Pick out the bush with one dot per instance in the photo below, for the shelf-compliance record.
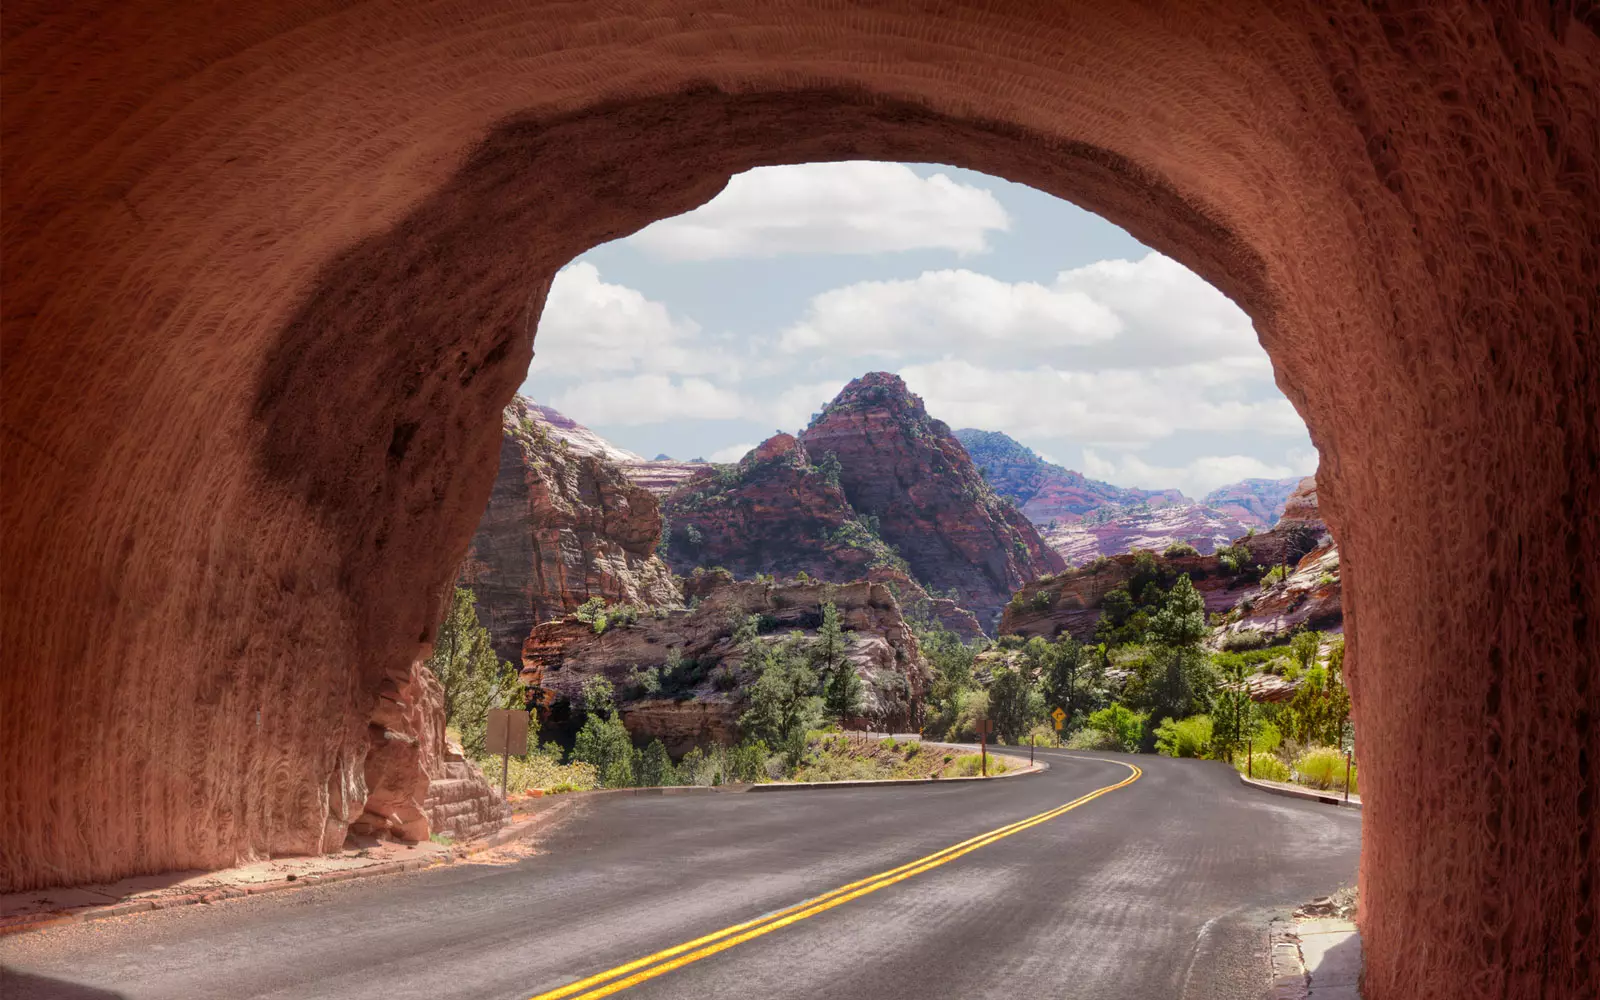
(1323, 767)
(541, 770)
(1093, 739)
(968, 765)
(1180, 550)
(1264, 766)
(1189, 737)
(1042, 600)
(1274, 575)
(1243, 640)
(1121, 723)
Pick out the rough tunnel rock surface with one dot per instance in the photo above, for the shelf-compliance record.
(272, 270)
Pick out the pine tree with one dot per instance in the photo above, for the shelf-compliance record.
(473, 677)
(841, 696)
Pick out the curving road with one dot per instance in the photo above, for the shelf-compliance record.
(1161, 887)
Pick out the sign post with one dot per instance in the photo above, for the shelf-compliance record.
(507, 736)
(984, 728)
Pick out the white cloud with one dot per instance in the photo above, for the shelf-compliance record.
(940, 311)
(1195, 478)
(855, 207)
(591, 327)
(1120, 407)
(648, 399)
(1114, 313)
(732, 453)
(794, 406)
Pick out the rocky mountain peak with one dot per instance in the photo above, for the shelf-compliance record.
(905, 469)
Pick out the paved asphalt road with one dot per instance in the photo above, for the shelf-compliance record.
(1161, 888)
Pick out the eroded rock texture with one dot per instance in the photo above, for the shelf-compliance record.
(563, 525)
(906, 470)
(698, 690)
(272, 271)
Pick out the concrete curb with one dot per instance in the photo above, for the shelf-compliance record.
(457, 852)
(1309, 794)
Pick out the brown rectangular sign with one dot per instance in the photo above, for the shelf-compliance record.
(508, 731)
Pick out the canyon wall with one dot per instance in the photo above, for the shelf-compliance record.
(699, 684)
(563, 525)
(273, 271)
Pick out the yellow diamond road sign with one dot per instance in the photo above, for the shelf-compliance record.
(1058, 715)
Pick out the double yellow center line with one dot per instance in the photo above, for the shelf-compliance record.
(639, 970)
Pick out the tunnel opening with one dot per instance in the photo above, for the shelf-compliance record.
(229, 501)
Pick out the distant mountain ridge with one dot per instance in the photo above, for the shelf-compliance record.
(1045, 491)
(1084, 518)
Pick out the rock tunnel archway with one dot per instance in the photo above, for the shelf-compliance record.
(272, 271)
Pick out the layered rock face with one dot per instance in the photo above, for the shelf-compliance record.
(416, 782)
(774, 513)
(1256, 503)
(1300, 529)
(702, 698)
(1071, 601)
(1310, 596)
(905, 468)
(563, 525)
(286, 370)
(1117, 529)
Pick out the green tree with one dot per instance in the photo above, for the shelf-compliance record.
(1014, 704)
(841, 694)
(654, 766)
(604, 742)
(1234, 717)
(473, 677)
(599, 696)
(1179, 675)
(1071, 676)
(783, 700)
(1304, 646)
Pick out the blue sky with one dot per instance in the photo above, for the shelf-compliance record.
(1003, 307)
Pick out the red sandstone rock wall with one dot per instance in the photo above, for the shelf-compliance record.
(272, 271)
(692, 706)
(563, 525)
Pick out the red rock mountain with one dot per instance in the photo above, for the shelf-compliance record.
(774, 512)
(1119, 528)
(904, 468)
(1257, 503)
(563, 525)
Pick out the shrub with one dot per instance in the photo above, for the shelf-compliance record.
(540, 769)
(1121, 723)
(643, 682)
(724, 678)
(1274, 575)
(1244, 639)
(1189, 737)
(1093, 739)
(603, 742)
(1042, 600)
(968, 765)
(1180, 550)
(1325, 580)
(1322, 767)
(1264, 766)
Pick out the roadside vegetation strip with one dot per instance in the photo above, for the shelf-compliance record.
(633, 973)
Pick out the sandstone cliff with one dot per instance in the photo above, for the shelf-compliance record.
(1310, 596)
(773, 513)
(563, 525)
(1120, 528)
(701, 698)
(413, 783)
(1070, 602)
(1257, 503)
(906, 469)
